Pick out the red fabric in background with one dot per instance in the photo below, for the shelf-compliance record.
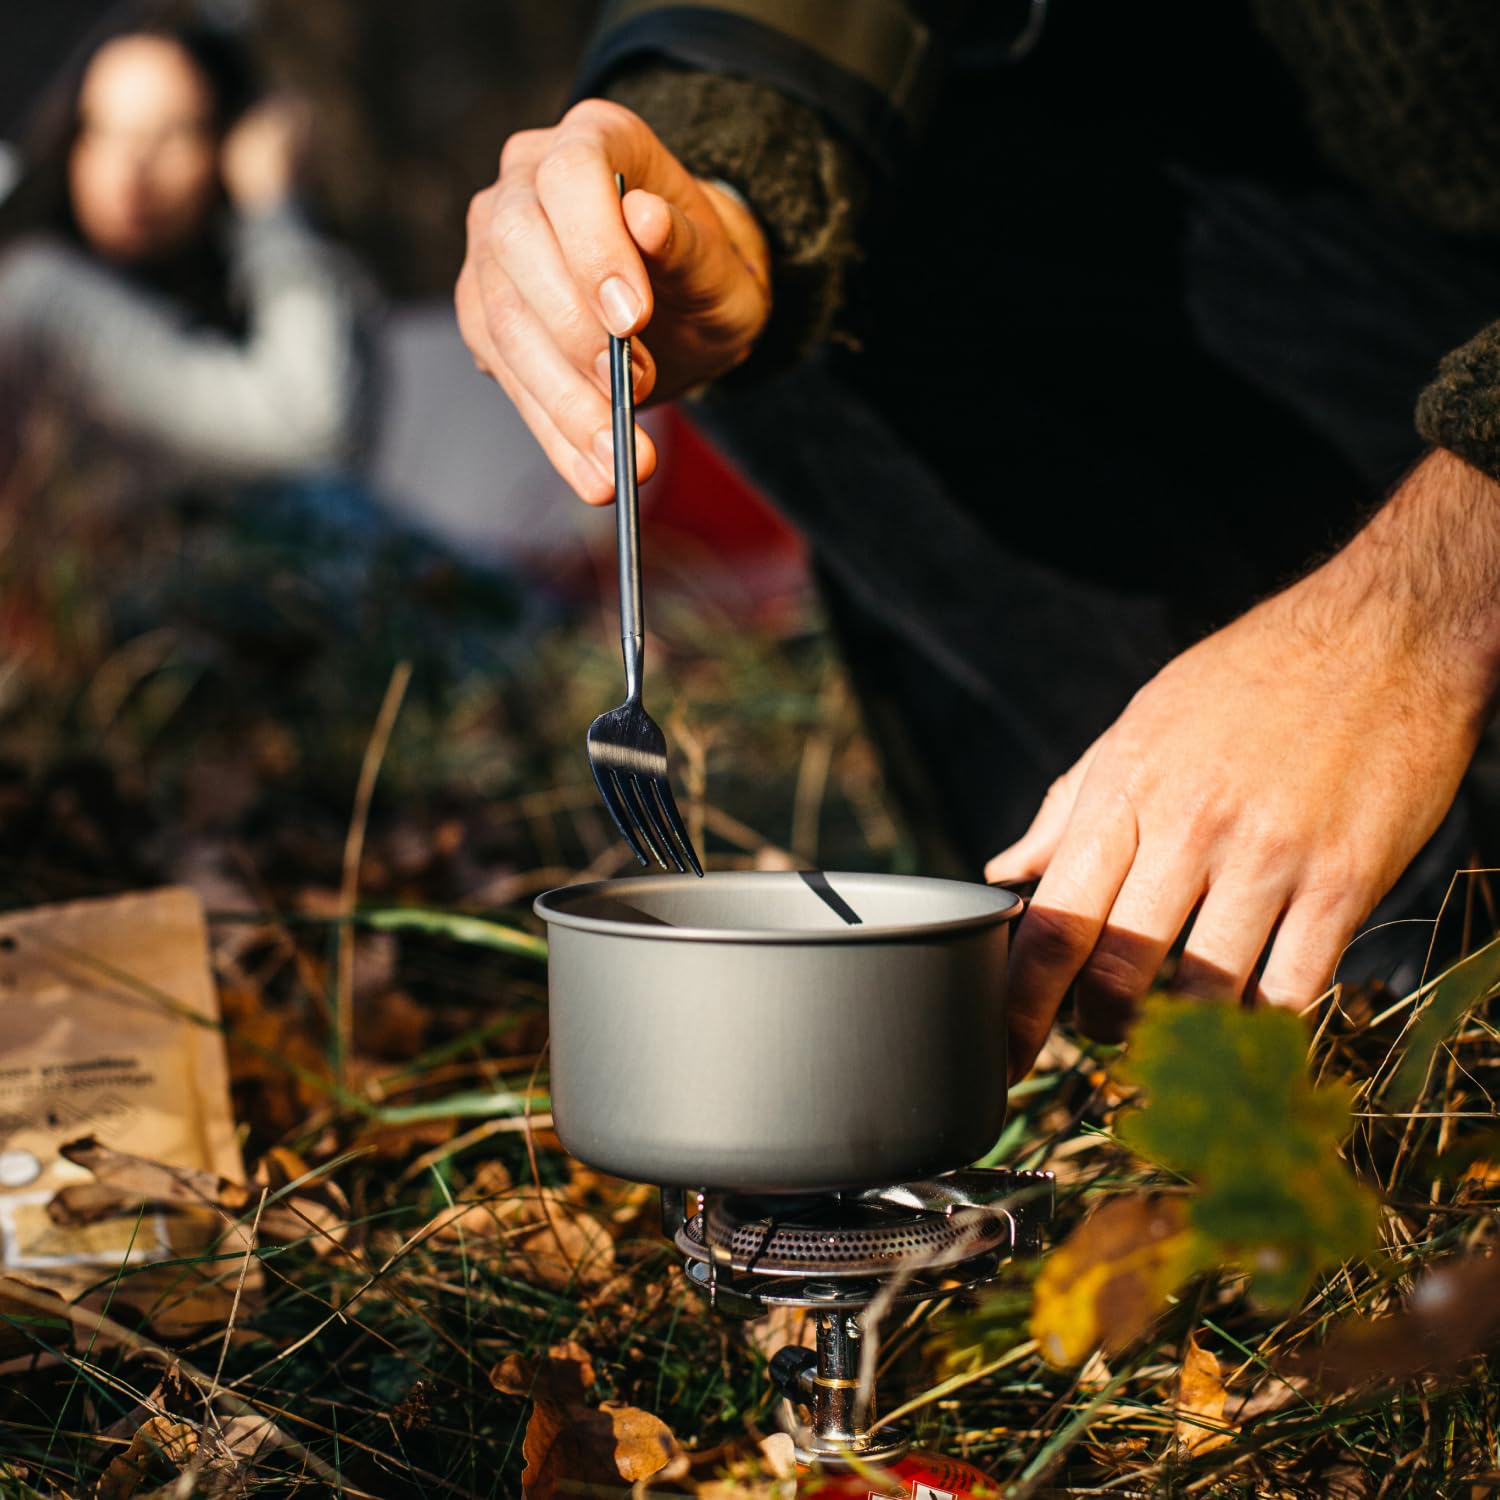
(701, 521)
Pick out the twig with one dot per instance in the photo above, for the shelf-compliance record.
(97, 1324)
(354, 848)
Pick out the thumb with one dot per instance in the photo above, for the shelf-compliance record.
(693, 263)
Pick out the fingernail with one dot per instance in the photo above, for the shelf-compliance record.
(604, 451)
(621, 306)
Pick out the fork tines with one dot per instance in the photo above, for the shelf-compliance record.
(630, 770)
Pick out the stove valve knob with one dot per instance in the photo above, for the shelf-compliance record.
(792, 1371)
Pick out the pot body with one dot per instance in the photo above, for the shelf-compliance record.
(778, 1032)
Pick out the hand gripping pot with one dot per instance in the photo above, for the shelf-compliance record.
(778, 1032)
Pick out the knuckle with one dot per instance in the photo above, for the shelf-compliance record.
(518, 150)
(504, 312)
(575, 328)
(577, 412)
(571, 155)
(1113, 975)
(597, 116)
(1202, 820)
(511, 230)
(1054, 937)
(481, 206)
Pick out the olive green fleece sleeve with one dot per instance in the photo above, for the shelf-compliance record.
(1460, 410)
(803, 183)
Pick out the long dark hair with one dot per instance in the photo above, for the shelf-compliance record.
(40, 203)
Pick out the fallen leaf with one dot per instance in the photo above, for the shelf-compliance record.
(778, 1327)
(20, 1315)
(158, 1444)
(573, 1447)
(550, 1240)
(237, 1442)
(1452, 1315)
(1278, 1202)
(396, 1142)
(574, 1250)
(1201, 1398)
(275, 1063)
(318, 1213)
(391, 1026)
(1106, 1284)
(561, 1376)
(147, 1181)
(492, 1179)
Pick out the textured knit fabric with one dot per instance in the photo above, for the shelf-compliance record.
(293, 394)
(1404, 98)
(1401, 97)
(801, 182)
(1460, 410)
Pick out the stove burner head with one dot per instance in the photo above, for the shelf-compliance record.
(834, 1237)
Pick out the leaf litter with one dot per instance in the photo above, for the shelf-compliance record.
(1291, 1283)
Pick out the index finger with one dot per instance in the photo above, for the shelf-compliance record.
(575, 184)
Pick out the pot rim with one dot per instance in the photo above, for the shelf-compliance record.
(551, 907)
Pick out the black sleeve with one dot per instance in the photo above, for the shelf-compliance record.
(869, 67)
(805, 107)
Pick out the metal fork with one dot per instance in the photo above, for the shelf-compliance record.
(627, 750)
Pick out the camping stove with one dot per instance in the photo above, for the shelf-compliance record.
(847, 1259)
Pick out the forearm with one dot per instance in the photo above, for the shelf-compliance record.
(289, 396)
(1424, 576)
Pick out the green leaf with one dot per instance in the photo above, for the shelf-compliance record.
(1231, 1107)
(475, 931)
(1450, 997)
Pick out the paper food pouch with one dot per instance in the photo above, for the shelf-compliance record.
(109, 1028)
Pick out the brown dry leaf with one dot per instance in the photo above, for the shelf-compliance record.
(1483, 1174)
(1452, 1315)
(573, 1250)
(555, 1243)
(157, 1443)
(561, 1377)
(1277, 1394)
(18, 1312)
(572, 1447)
(319, 1213)
(490, 1181)
(781, 1326)
(397, 1142)
(1201, 1399)
(391, 1026)
(273, 1060)
(1111, 1278)
(769, 1474)
(140, 1180)
(239, 1441)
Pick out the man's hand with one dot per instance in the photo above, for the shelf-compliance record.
(1271, 783)
(556, 263)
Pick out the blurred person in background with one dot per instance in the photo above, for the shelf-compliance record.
(158, 280)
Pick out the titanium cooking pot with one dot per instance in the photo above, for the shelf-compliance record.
(778, 1032)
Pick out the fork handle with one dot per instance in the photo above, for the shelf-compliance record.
(627, 505)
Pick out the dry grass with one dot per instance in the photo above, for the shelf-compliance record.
(152, 728)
